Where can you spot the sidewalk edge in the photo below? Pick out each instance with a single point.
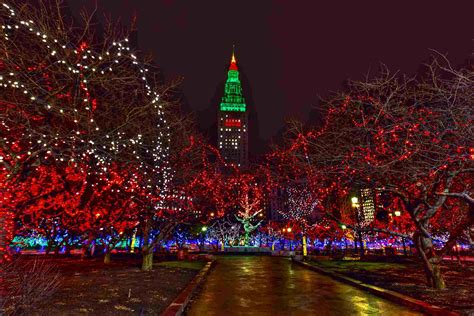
(177, 307)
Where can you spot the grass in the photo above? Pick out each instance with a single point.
(339, 266)
(91, 288)
(193, 265)
(409, 278)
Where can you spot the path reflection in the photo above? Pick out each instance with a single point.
(258, 285)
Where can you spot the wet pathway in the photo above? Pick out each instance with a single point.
(263, 285)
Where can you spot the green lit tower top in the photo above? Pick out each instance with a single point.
(233, 99)
(233, 120)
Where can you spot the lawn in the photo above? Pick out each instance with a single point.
(341, 266)
(409, 279)
(193, 265)
(91, 288)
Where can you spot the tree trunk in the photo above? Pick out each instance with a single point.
(431, 262)
(147, 249)
(147, 263)
(92, 250)
(305, 247)
(246, 238)
(67, 247)
(6, 234)
(404, 247)
(133, 241)
(67, 251)
(85, 253)
(361, 243)
(438, 280)
(49, 247)
(329, 247)
(107, 255)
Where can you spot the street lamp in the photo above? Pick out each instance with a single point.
(356, 205)
(288, 229)
(398, 213)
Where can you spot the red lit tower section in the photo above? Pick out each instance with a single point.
(233, 120)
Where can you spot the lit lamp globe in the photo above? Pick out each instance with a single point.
(355, 201)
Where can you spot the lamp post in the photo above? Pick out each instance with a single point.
(203, 237)
(356, 206)
(398, 213)
(286, 230)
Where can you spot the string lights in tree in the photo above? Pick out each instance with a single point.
(300, 204)
(69, 102)
(250, 199)
(224, 232)
(409, 139)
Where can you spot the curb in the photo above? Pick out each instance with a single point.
(177, 307)
(387, 294)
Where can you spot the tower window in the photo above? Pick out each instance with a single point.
(232, 123)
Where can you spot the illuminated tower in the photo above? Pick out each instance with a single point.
(233, 120)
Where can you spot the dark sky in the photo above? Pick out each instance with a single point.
(291, 51)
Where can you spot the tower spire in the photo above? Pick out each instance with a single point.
(233, 61)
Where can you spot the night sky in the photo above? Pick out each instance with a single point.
(291, 52)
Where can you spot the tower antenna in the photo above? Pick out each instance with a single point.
(233, 54)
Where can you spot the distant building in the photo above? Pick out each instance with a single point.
(233, 120)
(368, 206)
(277, 204)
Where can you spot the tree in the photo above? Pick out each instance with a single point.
(224, 232)
(406, 137)
(249, 197)
(273, 232)
(301, 204)
(72, 100)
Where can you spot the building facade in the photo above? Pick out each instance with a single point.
(233, 120)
